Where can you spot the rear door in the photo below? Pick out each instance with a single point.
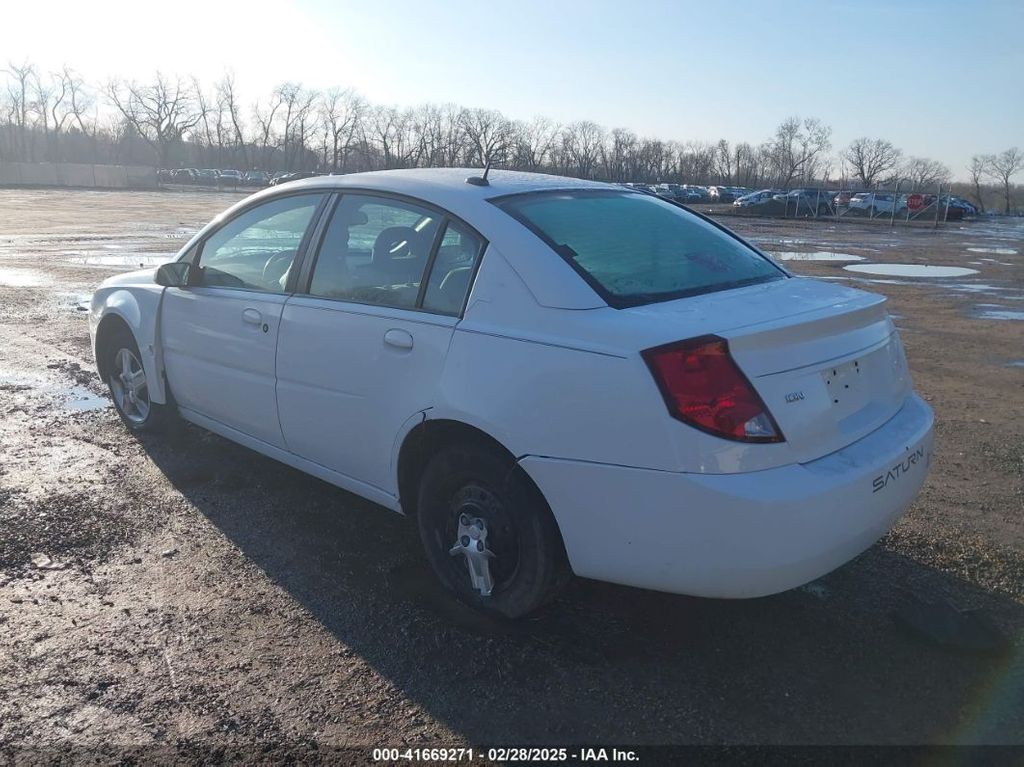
(219, 334)
(361, 352)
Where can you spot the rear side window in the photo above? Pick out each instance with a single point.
(375, 251)
(453, 270)
(635, 249)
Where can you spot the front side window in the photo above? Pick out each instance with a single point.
(634, 249)
(255, 250)
(375, 251)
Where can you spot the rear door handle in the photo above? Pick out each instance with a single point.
(400, 339)
(252, 316)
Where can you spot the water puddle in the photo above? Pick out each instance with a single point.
(979, 287)
(23, 278)
(126, 262)
(995, 251)
(911, 270)
(29, 386)
(1015, 364)
(995, 312)
(818, 255)
(80, 399)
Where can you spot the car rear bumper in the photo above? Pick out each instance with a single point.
(737, 535)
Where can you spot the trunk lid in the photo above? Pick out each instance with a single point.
(826, 360)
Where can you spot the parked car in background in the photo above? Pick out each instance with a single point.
(878, 203)
(968, 208)
(184, 176)
(256, 178)
(842, 199)
(674, 192)
(807, 200)
(164, 176)
(207, 176)
(756, 198)
(229, 178)
(695, 193)
(733, 431)
(295, 176)
(723, 194)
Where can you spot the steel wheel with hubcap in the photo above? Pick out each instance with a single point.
(488, 534)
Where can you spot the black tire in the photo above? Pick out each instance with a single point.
(156, 417)
(529, 565)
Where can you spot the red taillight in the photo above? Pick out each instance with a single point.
(703, 387)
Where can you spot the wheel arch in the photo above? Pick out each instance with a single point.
(431, 435)
(109, 325)
(139, 315)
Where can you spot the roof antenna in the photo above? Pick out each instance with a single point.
(481, 180)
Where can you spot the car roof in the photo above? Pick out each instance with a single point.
(433, 184)
(551, 280)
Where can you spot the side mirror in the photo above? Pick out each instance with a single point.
(174, 275)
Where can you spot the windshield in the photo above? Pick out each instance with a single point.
(636, 249)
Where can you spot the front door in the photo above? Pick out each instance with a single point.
(219, 334)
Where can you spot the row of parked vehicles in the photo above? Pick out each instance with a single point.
(692, 193)
(227, 178)
(810, 199)
(858, 203)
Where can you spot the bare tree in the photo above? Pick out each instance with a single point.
(534, 142)
(228, 103)
(160, 113)
(18, 92)
(871, 159)
(265, 119)
(1003, 167)
(390, 128)
(978, 170)
(342, 113)
(796, 148)
(488, 135)
(924, 173)
(724, 161)
(296, 113)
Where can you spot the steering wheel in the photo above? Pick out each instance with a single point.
(277, 267)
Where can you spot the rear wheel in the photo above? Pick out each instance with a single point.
(126, 378)
(489, 535)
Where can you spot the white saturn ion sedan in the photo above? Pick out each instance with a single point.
(547, 374)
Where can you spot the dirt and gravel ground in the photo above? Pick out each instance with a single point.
(193, 596)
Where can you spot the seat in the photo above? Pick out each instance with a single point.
(397, 251)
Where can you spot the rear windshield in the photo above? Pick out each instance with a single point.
(636, 249)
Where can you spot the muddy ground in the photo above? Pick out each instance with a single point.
(194, 596)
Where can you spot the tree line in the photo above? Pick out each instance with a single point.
(172, 121)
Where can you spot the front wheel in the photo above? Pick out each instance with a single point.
(126, 379)
(488, 533)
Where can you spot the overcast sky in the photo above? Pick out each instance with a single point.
(940, 79)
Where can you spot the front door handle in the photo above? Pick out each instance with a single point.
(252, 316)
(400, 339)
